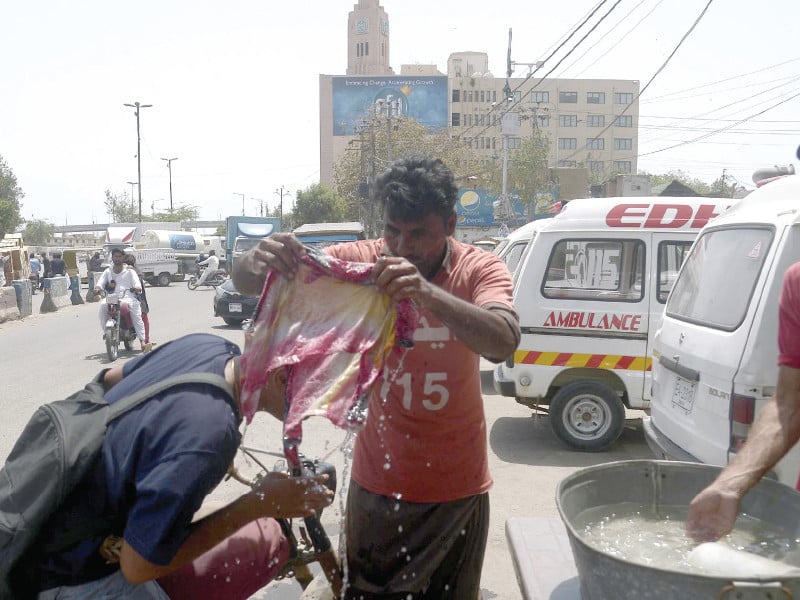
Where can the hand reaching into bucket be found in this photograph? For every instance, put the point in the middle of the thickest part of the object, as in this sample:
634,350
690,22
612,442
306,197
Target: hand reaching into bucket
712,513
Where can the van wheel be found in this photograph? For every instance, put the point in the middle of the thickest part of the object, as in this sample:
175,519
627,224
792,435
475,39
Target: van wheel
586,415
164,279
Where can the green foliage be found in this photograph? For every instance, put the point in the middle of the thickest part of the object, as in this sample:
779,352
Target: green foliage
38,232
527,173
10,200
381,141
121,208
699,186
181,213
318,204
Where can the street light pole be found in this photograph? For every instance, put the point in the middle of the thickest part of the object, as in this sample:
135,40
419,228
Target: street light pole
132,183
169,166
280,191
242,195
136,106
260,204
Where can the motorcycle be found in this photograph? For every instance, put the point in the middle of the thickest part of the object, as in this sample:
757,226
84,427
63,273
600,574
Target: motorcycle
308,541
119,325
213,281
34,278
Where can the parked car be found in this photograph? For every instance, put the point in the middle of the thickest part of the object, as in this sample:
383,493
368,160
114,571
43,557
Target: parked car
232,306
716,353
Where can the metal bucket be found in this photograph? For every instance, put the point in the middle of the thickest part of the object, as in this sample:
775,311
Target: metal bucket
668,484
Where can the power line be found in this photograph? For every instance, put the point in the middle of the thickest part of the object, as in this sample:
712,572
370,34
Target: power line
661,68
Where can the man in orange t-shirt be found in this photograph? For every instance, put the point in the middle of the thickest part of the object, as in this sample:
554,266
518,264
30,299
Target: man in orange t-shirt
418,508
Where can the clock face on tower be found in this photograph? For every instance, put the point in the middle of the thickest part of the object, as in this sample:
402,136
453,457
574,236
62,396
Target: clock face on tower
362,26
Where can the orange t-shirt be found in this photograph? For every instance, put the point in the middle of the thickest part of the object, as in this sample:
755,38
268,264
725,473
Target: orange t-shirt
425,436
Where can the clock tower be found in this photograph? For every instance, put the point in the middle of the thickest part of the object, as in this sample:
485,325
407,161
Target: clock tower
368,40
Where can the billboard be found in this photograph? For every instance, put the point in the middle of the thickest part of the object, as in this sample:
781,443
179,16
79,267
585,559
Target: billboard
475,208
423,99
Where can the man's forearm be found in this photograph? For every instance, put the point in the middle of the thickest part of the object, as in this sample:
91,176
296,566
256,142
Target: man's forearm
483,331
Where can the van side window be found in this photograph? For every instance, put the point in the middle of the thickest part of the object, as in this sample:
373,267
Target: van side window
670,258
715,297
514,254
592,269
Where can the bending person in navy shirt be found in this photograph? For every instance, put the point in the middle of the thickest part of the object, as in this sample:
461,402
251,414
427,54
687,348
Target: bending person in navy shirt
158,463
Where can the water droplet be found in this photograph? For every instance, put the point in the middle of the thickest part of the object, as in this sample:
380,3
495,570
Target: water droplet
387,466
228,579
400,529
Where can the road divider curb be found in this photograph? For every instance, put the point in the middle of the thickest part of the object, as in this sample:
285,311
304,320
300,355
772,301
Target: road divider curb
8,305
56,294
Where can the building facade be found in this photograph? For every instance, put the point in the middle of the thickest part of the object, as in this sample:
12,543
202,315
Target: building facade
589,123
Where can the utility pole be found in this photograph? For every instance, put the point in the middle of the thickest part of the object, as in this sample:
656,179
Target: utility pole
280,192
132,183
169,166
260,205
136,106
242,195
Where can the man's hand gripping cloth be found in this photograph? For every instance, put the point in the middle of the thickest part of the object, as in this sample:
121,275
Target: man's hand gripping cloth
334,328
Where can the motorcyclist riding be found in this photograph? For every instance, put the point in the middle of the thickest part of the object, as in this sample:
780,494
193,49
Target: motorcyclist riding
127,284
211,265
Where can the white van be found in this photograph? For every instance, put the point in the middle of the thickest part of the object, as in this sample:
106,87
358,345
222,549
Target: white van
717,348
512,248
590,294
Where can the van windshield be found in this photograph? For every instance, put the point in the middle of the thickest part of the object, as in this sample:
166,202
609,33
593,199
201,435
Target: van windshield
717,281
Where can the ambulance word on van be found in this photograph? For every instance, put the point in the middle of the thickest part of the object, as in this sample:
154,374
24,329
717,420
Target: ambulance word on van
715,355
590,293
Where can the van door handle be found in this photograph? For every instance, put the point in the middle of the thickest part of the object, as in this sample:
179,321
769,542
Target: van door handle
675,367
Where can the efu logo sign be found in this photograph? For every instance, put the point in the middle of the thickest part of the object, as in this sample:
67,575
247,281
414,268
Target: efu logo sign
661,216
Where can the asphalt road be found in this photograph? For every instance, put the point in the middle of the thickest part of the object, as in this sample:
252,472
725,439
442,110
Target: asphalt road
48,356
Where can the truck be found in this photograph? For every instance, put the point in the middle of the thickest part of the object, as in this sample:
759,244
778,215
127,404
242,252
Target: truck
186,246
320,235
242,233
159,266
124,235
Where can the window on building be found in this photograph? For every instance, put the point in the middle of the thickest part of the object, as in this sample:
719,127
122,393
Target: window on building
622,166
595,97
543,120
540,97
469,96
571,164
514,143
596,121
623,98
456,95
623,144
567,120
595,166
366,48
483,96
568,97
567,143
455,121
623,121
494,95
494,143
595,143
467,119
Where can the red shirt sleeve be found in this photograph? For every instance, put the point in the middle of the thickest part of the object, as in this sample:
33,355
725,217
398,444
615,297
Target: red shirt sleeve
789,319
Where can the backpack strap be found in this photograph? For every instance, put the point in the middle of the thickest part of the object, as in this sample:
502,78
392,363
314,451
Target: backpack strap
117,409
120,407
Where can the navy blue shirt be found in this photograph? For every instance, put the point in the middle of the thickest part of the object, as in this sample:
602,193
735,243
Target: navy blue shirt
158,461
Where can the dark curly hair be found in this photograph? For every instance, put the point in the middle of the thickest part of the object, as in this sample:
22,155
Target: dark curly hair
416,186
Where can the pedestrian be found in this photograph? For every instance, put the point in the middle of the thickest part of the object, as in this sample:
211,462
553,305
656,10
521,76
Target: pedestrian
130,260
95,263
3,260
36,268
713,512
46,266
158,463
417,514
58,267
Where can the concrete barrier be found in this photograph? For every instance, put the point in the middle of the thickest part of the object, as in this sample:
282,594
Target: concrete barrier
57,294
93,277
75,289
23,289
8,304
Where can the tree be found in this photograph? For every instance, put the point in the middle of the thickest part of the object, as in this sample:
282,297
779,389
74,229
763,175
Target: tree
38,232
527,173
699,186
181,213
318,204
10,200
120,208
380,141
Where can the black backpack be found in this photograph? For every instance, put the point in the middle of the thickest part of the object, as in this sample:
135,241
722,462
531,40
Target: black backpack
51,456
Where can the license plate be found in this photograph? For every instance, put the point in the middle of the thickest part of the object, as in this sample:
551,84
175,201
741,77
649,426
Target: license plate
683,394
235,307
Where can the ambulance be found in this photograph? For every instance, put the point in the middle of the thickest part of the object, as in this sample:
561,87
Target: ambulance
590,293
717,349
513,248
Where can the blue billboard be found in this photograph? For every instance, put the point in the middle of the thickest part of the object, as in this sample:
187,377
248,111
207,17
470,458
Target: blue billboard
423,99
475,208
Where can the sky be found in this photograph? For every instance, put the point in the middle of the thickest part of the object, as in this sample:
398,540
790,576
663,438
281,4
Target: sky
234,88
